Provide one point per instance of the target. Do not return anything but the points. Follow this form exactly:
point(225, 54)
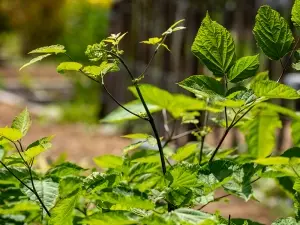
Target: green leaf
point(11, 133)
point(214, 45)
point(184, 152)
point(52, 49)
point(286, 221)
point(114, 217)
point(175, 104)
point(22, 206)
point(152, 41)
point(272, 89)
point(7, 178)
point(278, 109)
point(38, 147)
point(292, 152)
point(296, 132)
point(192, 216)
point(68, 66)
point(132, 146)
point(124, 201)
point(62, 213)
point(68, 185)
point(108, 161)
point(65, 169)
point(182, 177)
point(272, 33)
point(34, 60)
point(179, 196)
point(97, 72)
point(244, 68)
point(22, 122)
point(46, 189)
point(136, 136)
point(97, 181)
point(121, 115)
point(296, 13)
point(244, 222)
point(203, 85)
point(296, 66)
point(278, 160)
point(260, 133)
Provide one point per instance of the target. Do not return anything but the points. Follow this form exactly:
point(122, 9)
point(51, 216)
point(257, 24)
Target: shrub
point(147, 184)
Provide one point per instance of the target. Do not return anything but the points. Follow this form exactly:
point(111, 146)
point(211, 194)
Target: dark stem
point(153, 56)
point(288, 61)
point(229, 218)
point(203, 137)
point(150, 118)
point(106, 90)
point(123, 107)
point(233, 123)
point(201, 148)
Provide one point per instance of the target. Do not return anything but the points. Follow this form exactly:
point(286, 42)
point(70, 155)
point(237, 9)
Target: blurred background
point(70, 106)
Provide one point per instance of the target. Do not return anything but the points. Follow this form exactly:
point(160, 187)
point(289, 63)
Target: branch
point(150, 118)
point(287, 62)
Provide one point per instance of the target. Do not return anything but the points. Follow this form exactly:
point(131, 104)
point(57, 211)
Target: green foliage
point(296, 13)
point(214, 46)
point(154, 182)
point(272, 33)
point(260, 133)
point(68, 66)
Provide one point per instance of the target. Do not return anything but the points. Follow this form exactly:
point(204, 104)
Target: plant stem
point(150, 118)
point(123, 107)
point(229, 218)
point(287, 62)
point(233, 123)
point(106, 90)
point(203, 137)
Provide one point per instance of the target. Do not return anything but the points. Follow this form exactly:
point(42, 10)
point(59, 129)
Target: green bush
point(150, 183)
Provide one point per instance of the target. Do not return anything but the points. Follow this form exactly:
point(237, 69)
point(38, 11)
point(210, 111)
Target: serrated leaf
point(260, 133)
point(203, 85)
point(214, 45)
point(296, 13)
point(65, 169)
point(192, 216)
point(184, 152)
point(97, 72)
point(46, 189)
point(11, 133)
point(68, 66)
point(52, 49)
point(272, 33)
point(34, 60)
point(244, 222)
point(272, 89)
point(69, 185)
point(108, 161)
point(121, 115)
point(61, 214)
point(38, 147)
point(244, 68)
point(22, 122)
point(182, 177)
